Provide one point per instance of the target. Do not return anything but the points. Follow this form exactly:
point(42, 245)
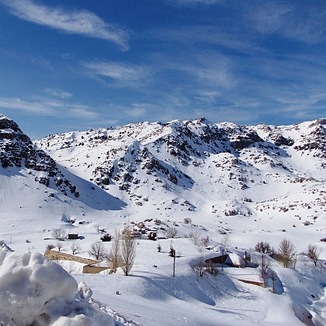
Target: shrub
point(50, 247)
point(187, 220)
point(106, 238)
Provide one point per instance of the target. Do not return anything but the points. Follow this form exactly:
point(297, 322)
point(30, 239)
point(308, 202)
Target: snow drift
point(35, 291)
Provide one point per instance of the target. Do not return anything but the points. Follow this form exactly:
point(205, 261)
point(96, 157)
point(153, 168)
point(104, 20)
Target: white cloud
point(56, 92)
point(137, 110)
point(74, 22)
point(48, 107)
point(119, 72)
point(203, 36)
point(82, 112)
point(303, 23)
point(27, 106)
point(209, 69)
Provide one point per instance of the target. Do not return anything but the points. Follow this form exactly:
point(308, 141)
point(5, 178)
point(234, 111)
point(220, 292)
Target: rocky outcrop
point(17, 150)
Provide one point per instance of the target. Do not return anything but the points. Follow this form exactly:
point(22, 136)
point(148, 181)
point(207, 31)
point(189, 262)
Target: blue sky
point(78, 64)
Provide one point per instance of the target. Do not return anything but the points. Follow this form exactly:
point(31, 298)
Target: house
point(230, 259)
point(73, 236)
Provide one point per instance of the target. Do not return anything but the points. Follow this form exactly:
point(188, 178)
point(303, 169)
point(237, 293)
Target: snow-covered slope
point(210, 171)
point(232, 185)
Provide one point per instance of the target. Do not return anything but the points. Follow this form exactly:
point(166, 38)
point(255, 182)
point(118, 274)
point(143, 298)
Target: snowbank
point(36, 291)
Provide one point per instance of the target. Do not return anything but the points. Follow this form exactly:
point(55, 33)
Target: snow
point(273, 208)
point(35, 291)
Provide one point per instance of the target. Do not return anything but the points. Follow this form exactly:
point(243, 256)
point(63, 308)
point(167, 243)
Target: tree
point(171, 233)
point(287, 253)
point(264, 268)
point(59, 245)
point(58, 234)
point(75, 247)
point(115, 255)
point(313, 253)
point(128, 251)
point(263, 247)
point(98, 251)
point(201, 266)
point(195, 236)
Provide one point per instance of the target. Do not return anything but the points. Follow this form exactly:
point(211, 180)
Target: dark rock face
point(280, 140)
point(245, 139)
point(315, 141)
point(17, 150)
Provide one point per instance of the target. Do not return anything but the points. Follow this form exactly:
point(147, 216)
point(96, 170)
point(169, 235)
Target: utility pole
point(173, 273)
point(172, 254)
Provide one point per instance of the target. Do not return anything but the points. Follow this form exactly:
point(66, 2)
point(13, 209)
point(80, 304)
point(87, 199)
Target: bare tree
point(313, 253)
point(201, 264)
point(225, 241)
point(287, 252)
point(128, 251)
point(195, 236)
point(58, 234)
point(263, 247)
point(264, 268)
point(59, 245)
point(115, 255)
point(75, 248)
point(171, 233)
point(98, 251)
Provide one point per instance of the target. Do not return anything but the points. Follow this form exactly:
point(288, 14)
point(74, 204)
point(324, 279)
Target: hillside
point(230, 185)
point(212, 173)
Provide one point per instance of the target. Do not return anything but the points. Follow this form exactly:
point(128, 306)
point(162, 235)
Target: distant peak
point(318, 122)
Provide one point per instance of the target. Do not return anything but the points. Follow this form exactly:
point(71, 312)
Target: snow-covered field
point(151, 296)
point(35, 290)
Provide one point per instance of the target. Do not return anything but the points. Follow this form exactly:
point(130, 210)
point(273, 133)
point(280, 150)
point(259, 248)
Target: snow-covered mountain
point(35, 190)
point(211, 173)
point(225, 183)
point(213, 169)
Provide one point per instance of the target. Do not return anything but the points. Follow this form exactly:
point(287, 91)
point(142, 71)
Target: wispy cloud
point(56, 92)
point(121, 73)
point(27, 106)
point(73, 22)
point(303, 23)
point(199, 68)
point(81, 112)
point(48, 107)
point(138, 110)
point(203, 36)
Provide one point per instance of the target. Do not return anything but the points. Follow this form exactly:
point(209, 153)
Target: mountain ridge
point(194, 166)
